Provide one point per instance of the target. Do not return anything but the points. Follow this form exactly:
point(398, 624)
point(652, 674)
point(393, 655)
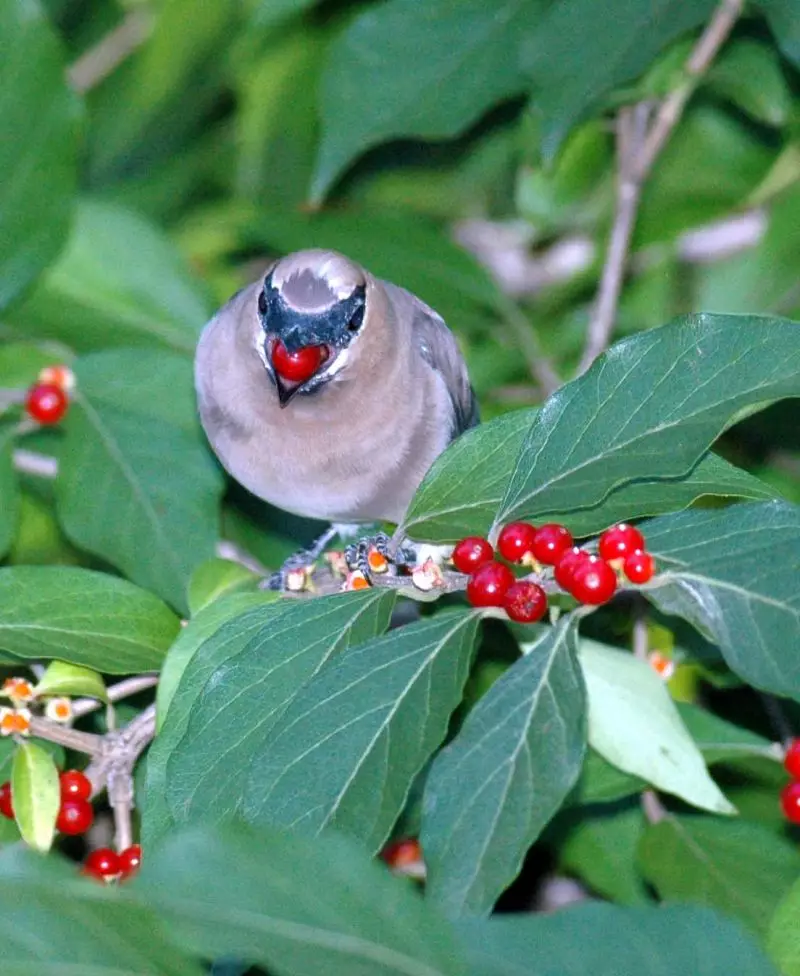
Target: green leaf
point(749, 73)
point(600, 782)
point(215, 579)
point(8, 749)
point(741, 868)
point(734, 575)
point(9, 489)
point(36, 795)
point(567, 83)
point(153, 485)
point(784, 21)
point(405, 70)
point(232, 693)
point(610, 941)
point(269, 12)
point(53, 922)
point(722, 741)
point(83, 617)
point(649, 408)
point(119, 282)
point(490, 793)
point(783, 936)
point(294, 905)
point(633, 723)
point(38, 161)
point(345, 752)
point(70, 679)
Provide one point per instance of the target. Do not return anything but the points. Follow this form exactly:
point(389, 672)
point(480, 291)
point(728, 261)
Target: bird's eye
point(355, 322)
point(262, 303)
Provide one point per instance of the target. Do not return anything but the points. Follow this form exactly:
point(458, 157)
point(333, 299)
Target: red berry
point(791, 760)
point(472, 553)
point(402, 853)
point(75, 817)
point(639, 566)
point(790, 801)
point(567, 564)
point(300, 365)
point(550, 543)
point(130, 860)
point(74, 785)
point(46, 403)
point(593, 581)
point(488, 585)
point(516, 541)
point(525, 602)
point(619, 541)
point(102, 863)
point(6, 807)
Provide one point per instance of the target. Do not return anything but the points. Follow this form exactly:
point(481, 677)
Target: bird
point(328, 392)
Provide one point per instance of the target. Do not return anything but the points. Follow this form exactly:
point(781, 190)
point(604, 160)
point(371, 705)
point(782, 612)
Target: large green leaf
point(38, 151)
point(783, 937)
point(492, 790)
point(721, 741)
point(136, 485)
point(735, 575)
point(36, 794)
point(346, 751)
point(233, 694)
point(606, 940)
point(402, 69)
point(119, 282)
point(9, 490)
point(784, 20)
point(83, 617)
point(741, 868)
point(649, 408)
point(294, 905)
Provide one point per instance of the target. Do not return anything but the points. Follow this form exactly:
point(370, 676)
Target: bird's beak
point(286, 390)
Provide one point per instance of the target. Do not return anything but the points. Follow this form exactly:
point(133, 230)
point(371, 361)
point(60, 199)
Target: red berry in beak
point(298, 366)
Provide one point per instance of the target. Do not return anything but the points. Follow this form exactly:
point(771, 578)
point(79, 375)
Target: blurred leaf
point(749, 73)
point(784, 21)
point(38, 151)
point(648, 409)
point(783, 935)
point(294, 905)
point(740, 868)
point(83, 617)
point(39, 540)
point(493, 789)
point(36, 795)
point(61, 678)
point(601, 782)
point(119, 282)
point(268, 12)
point(9, 489)
point(606, 940)
point(721, 741)
point(345, 752)
point(8, 749)
point(401, 69)
point(217, 578)
point(734, 574)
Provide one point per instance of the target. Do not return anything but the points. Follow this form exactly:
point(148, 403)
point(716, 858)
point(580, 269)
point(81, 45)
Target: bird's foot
point(373, 556)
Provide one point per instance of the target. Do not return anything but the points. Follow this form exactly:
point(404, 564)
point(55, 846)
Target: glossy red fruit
point(402, 853)
point(639, 566)
point(488, 585)
point(298, 366)
point(472, 553)
point(791, 760)
point(593, 581)
point(102, 863)
point(550, 543)
point(75, 817)
point(566, 565)
point(46, 403)
point(130, 860)
point(620, 540)
point(525, 602)
point(74, 785)
point(790, 802)
point(6, 807)
point(516, 541)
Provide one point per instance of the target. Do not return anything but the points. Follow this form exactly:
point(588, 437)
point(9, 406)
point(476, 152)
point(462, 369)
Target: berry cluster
point(790, 794)
point(47, 400)
point(106, 865)
point(75, 815)
point(590, 578)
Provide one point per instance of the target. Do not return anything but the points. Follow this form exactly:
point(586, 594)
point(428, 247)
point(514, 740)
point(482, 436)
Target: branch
point(123, 689)
point(117, 46)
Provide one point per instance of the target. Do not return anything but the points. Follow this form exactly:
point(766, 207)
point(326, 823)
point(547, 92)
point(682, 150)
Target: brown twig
point(117, 46)
point(123, 689)
point(638, 150)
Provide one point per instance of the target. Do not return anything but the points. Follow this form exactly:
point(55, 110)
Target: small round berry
point(790, 802)
point(75, 817)
point(593, 581)
point(566, 565)
point(550, 543)
point(402, 853)
point(46, 403)
point(488, 585)
point(516, 541)
point(130, 860)
point(639, 566)
point(74, 785)
point(6, 806)
point(525, 602)
point(791, 760)
point(472, 553)
point(300, 365)
point(102, 863)
point(619, 541)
